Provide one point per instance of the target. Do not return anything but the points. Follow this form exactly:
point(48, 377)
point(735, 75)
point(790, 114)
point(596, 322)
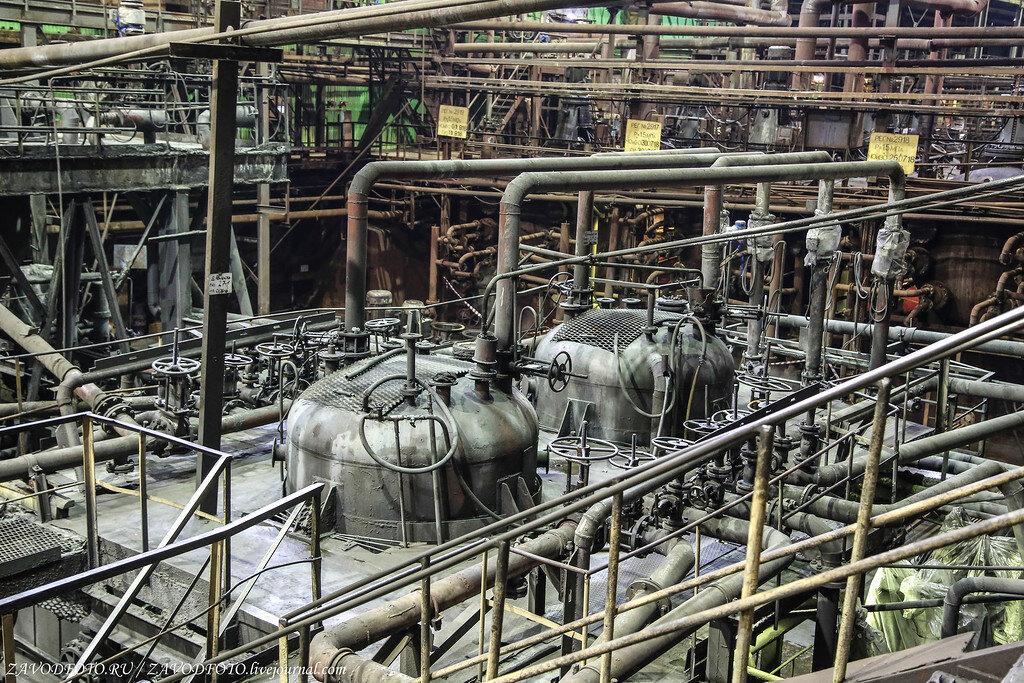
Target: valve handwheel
point(559, 371)
point(275, 350)
point(382, 324)
point(583, 449)
point(176, 367)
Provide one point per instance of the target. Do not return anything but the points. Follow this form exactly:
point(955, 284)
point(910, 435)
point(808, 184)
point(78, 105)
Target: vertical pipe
point(860, 536)
point(942, 409)
point(711, 254)
point(435, 236)
point(581, 271)
point(497, 616)
point(755, 542)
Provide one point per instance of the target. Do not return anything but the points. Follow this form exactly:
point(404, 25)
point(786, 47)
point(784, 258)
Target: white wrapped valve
point(890, 249)
point(761, 246)
point(822, 242)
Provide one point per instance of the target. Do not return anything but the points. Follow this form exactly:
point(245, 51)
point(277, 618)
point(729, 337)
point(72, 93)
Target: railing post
point(755, 540)
point(213, 616)
point(89, 468)
point(143, 492)
point(612, 583)
point(500, 580)
point(226, 555)
point(483, 613)
point(282, 653)
point(860, 536)
point(426, 614)
point(7, 625)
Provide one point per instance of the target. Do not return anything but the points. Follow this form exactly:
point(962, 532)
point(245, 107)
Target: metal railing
point(170, 546)
point(496, 539)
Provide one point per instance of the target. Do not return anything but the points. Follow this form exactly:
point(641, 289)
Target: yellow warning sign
point(642, 135)
point(453, 121)
point(894, 147)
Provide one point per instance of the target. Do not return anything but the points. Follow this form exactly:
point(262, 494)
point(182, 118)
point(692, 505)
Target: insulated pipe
point(973, 584)
point(363, 181)
point(906, 335)
point(304, 29)
point(530, 183)
point(22, 335)
point(362, 630)
point(737, 14)
point(997, 390)
point(122, 446)
point(629, 660)
point(678, 562)
point(818, 296)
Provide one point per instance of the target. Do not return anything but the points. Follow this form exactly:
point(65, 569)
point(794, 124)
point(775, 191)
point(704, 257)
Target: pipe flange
point(643, 586)
point(111, 405)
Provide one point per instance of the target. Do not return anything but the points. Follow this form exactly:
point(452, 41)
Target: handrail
point(411, 570)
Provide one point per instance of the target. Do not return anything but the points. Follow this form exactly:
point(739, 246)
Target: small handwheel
point(559, 371)
point(275, 350)
point(669, 444)
point(579, 450)
point(380, 325)
point(176, 367)
point(634, 457)
point(236, 359)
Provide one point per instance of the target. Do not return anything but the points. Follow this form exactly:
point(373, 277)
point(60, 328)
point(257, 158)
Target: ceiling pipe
point(529, 183)
point(698, 9)
point(888, 32)
point(363, 181)
point(356, 21)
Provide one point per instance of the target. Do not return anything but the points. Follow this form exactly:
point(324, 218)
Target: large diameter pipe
point(629, 660)
point(22, 335)
point(365, 629)
point(737, 14)
point(307, 28)
point(973, 584)
point(363, 181)
point(533, 182)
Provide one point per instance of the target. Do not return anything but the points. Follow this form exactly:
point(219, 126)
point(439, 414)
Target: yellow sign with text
point(452, 121)
point(894, 147)
point(642, 135)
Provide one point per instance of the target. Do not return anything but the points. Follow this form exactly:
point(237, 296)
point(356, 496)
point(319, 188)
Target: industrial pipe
point(363, 181)
point(973, 584)
point(628, 660)
point(532, 182)
point(904, 335)
point(365, 629)
point(778, 15)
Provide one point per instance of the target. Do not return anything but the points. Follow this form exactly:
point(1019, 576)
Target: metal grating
point(26, 546)
point(598, 327)
point(339, 391)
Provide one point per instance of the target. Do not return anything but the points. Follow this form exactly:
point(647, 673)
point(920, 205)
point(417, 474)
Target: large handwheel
point(559, 371)
point(583, 450)
point(669, 444)
point(275, 350)
point(176, 367)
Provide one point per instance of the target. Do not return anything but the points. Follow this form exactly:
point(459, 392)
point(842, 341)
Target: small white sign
point(220, 283)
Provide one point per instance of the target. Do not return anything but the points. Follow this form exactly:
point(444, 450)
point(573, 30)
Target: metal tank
point(494, 435)
point(624, 395)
